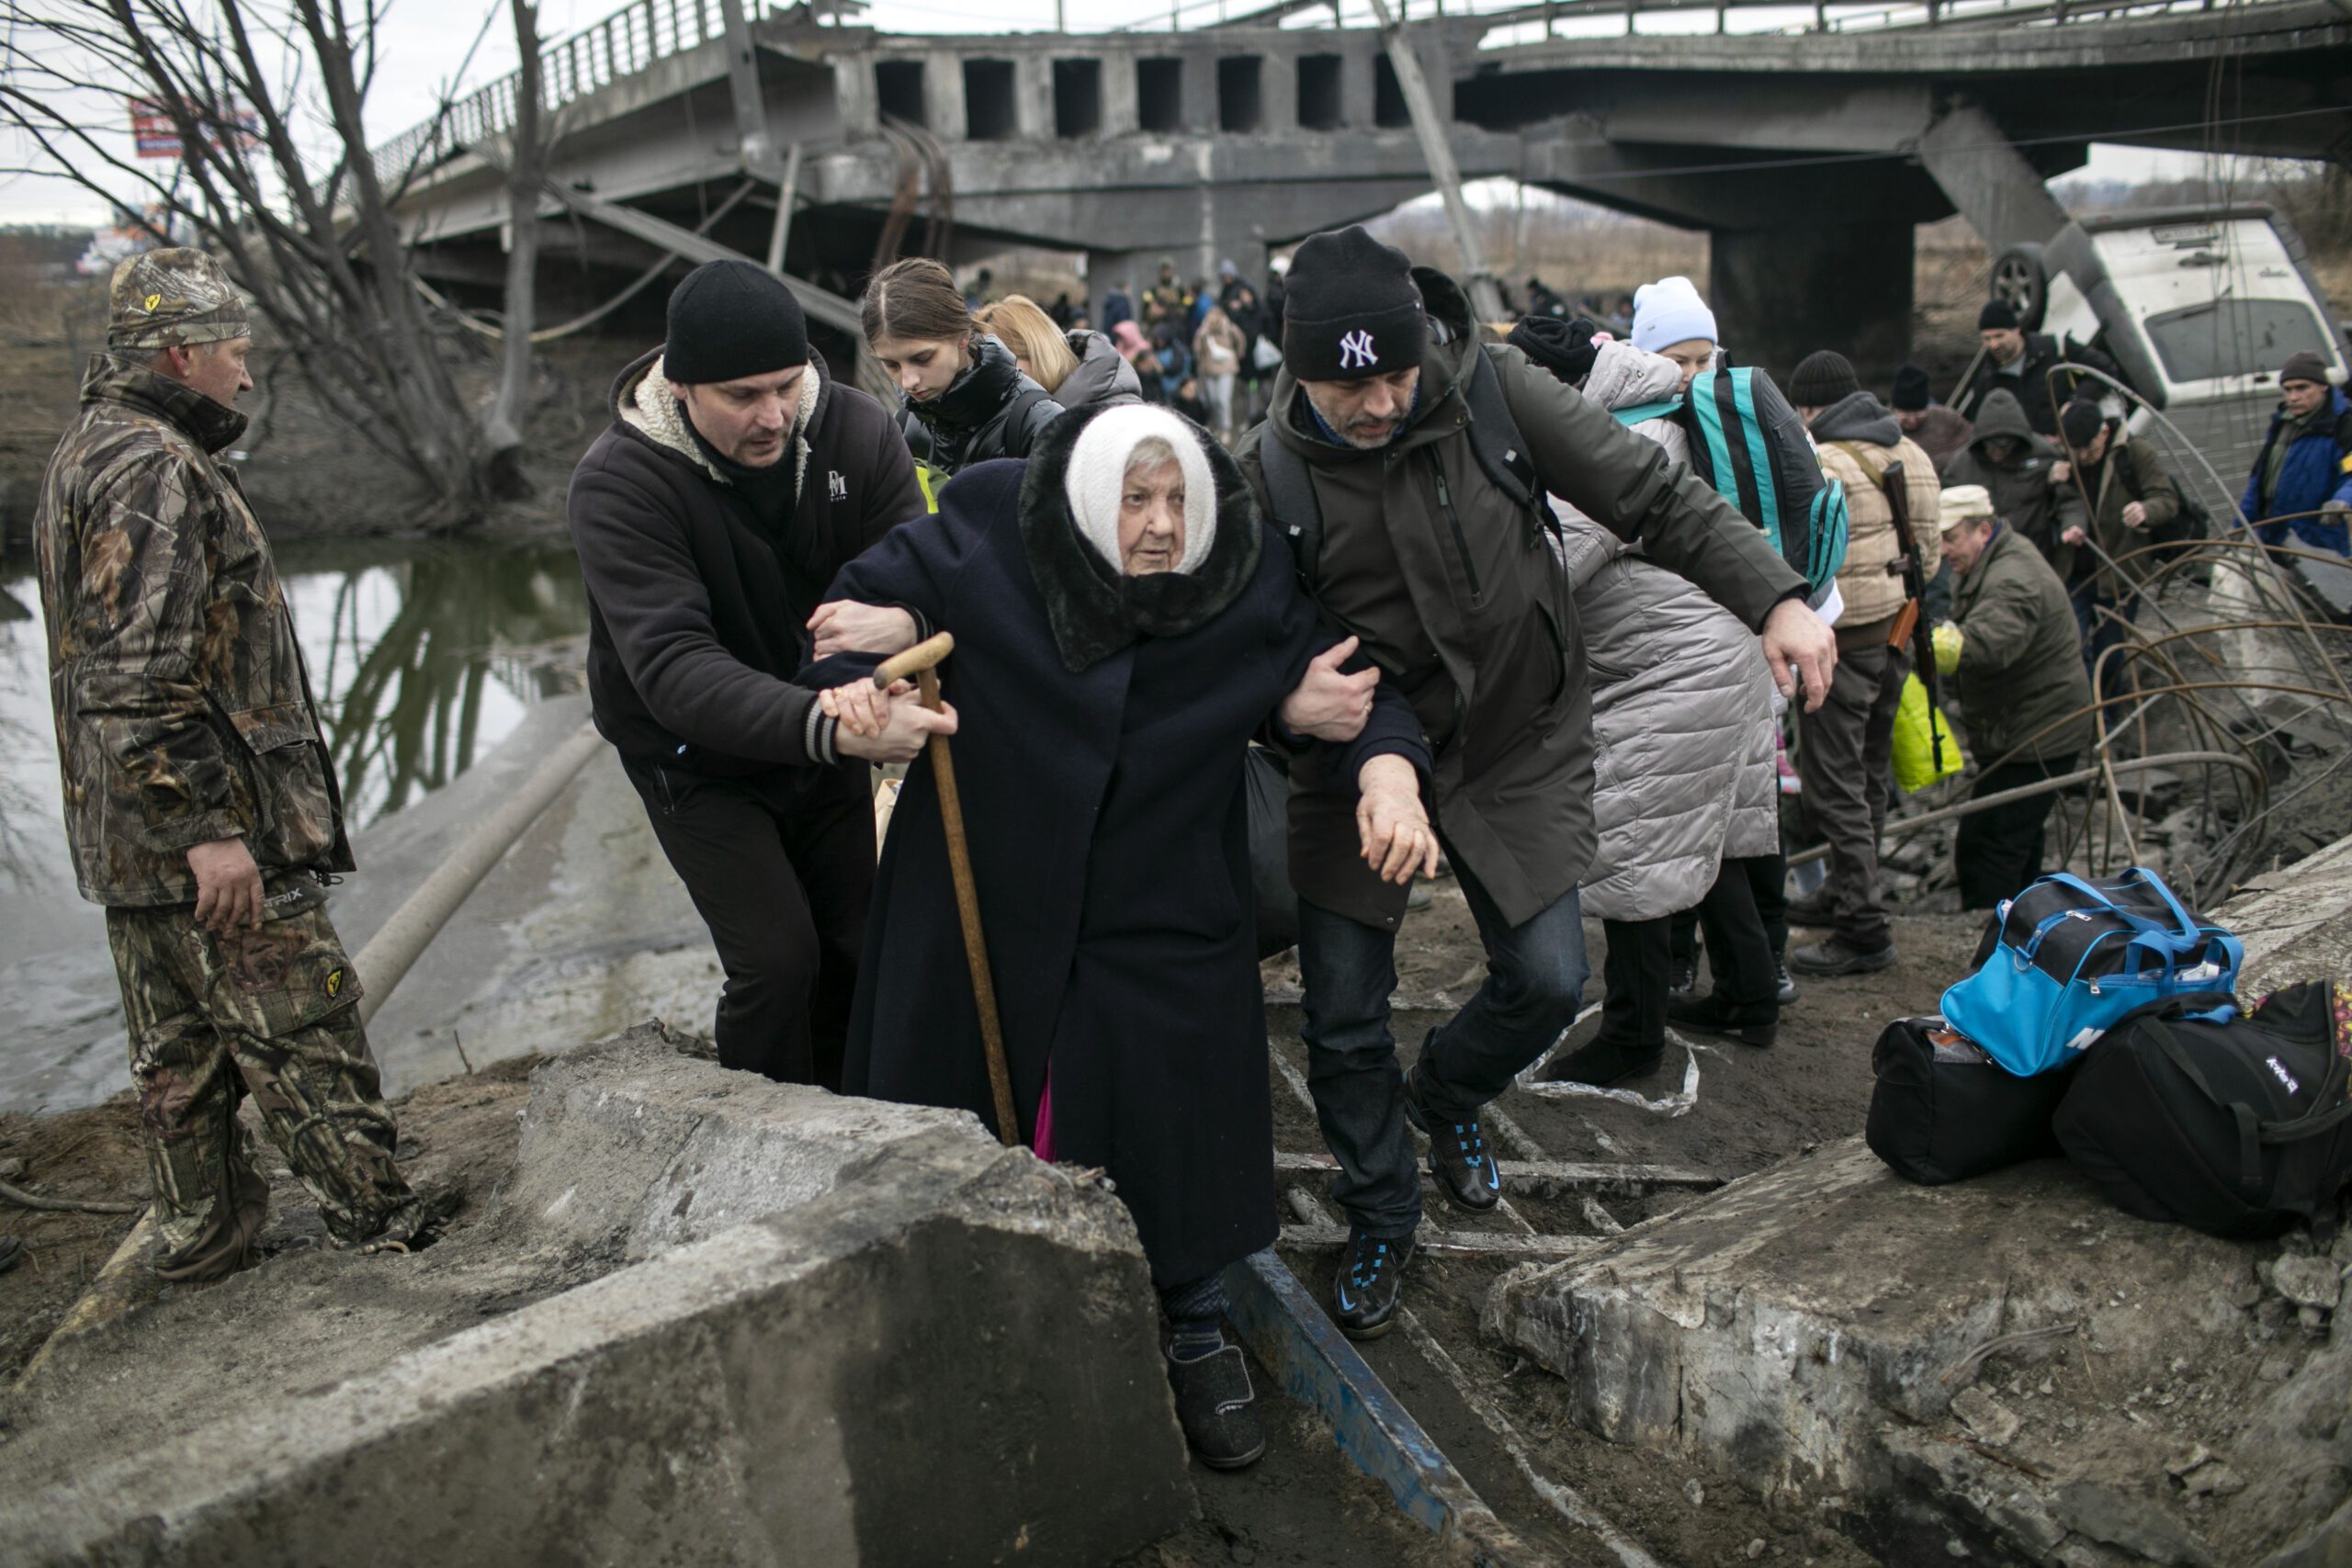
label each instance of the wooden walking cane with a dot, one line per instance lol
(921, 661)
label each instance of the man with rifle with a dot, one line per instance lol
(1845, 748)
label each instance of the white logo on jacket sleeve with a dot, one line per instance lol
(1356, 352)
(836, 487)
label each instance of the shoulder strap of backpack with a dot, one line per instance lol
(1641, 414)
(1494, 436)
(1290, 492)
(2249, 1126)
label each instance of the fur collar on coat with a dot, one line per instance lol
(1095, 611)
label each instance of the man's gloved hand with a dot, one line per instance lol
(2336, 512)
(1947, 643)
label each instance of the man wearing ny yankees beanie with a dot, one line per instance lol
(1378, 463)
(737, 477)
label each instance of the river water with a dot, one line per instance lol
(424, 656)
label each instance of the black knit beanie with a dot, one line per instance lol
(730, 319)
(1996, 316)
(2079, 423)
(2304, 366)
(1821, 378)
(1910, 390)
(1353, 310)
(1565, 348)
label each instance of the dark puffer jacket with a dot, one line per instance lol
(1102, 377)
(990, 411)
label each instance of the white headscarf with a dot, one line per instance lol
(1098, 479)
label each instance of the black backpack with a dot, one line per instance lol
(2238, 1129)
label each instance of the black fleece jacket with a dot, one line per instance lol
(698, 605)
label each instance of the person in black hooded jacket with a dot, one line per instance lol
(735, 479)
(963, 397)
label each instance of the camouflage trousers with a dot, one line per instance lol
(268, 1012)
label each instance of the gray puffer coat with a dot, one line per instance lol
(1683, 705)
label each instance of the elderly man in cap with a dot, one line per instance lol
(737, 478)
(200, 804)
(2299, 493)
(2010, 650)
(1406, 539)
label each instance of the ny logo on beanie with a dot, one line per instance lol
(1356, 352)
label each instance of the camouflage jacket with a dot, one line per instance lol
(184, 712)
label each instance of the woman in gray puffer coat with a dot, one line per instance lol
(1684, 776)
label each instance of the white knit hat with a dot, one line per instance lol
(1098, 478)
(1671, 312)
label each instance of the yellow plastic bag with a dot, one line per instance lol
(1914, 748)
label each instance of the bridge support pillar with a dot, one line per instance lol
(1779, 294)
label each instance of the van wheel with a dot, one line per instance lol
(2020, 282)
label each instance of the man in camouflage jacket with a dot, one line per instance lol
(200, 804)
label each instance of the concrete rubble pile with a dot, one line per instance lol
(815, 1331)
(2008, 1369)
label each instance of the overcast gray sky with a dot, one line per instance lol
(425, 41)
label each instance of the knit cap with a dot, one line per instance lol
(1098, 478)
(1671, 312)
(1996, 316)
(2305, 366)
(730, 319)
(1961, 503)
(2079, 423)
(1910, 394)
(1821, 378)
(1565, 348)
(173, 298)
(1354, 310)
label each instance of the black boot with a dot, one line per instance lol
(1215, 1405)
(1458, 1156)
(1753, 1023)
(1371, 1274)
(1604, 1062)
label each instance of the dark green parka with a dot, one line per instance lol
(1458, 596)
(2021, 661)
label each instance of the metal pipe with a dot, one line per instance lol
(401, 941)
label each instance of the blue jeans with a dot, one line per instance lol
(1535, 975)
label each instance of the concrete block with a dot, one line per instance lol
(2296, 923)
(948, 1355)
(1808, 1328)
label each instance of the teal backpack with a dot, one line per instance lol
(1748, 442)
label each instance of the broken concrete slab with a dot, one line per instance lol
(2296, 923)
(2007, 1363)
(952, 1358)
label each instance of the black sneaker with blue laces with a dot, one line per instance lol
(1458, 1156)
(1371, 1273)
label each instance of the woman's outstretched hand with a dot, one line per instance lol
(1398, 842)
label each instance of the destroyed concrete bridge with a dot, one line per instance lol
(1807, 155)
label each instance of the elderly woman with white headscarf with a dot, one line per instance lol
(1125, 624)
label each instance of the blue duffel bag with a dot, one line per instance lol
(2064, 960)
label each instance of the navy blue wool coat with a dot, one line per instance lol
(1106, 814)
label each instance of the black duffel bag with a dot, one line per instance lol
(1943, 1111)
(2238, 1129)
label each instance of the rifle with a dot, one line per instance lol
(1911, 624)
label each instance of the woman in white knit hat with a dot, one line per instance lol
(1671, 319)
(1125, 624)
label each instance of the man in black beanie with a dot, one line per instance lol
(1939, 432)
(736, 478)
(1406, 538)
(2021, 362)
(2112, 493)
